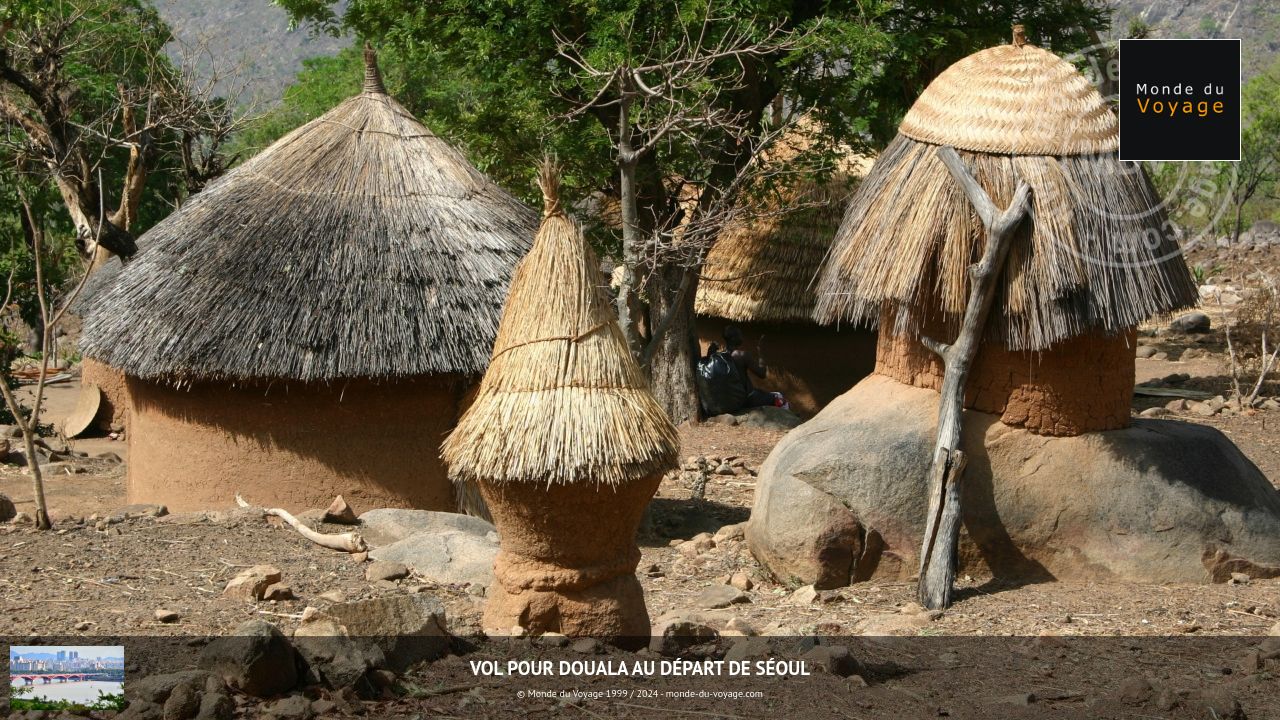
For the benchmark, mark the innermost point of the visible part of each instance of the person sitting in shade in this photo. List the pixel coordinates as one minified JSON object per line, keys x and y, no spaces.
{"x":725,"y":377}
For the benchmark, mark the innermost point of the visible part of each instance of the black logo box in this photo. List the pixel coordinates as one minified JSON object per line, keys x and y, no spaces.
{"x":1187,"y":68}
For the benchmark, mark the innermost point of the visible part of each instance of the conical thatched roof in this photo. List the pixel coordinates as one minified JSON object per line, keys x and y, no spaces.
{"x":563,"y":400}
{"x":1094,"y":256}
{"x":761,"y":267}
{"x":359,"y":245}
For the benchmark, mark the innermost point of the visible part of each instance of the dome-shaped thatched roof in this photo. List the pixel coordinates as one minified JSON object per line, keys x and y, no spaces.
{"x":1014,"y":100}
{"x":761,"y":267}
{"x":1095,"y":255}
{"x":360,"y":245}
{"x":563,"y":400}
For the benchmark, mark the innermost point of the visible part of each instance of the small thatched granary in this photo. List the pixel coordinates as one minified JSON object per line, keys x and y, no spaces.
{"x":309,"y":324}
{"x":1093,"y":261}
{"x":567,"y":446}
{"x":1061,"y":482}
{"x":759,"y":276}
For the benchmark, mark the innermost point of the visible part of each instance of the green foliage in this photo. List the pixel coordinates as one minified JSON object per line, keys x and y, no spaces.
{"x":486,"y":74}
{"x":19,"y":701}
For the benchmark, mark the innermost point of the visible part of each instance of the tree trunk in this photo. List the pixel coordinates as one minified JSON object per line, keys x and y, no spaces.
{"x":672,"y":358}
{"x":946,"y":474}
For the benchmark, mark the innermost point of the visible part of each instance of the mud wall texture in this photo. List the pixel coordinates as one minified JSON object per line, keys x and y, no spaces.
{"x":292,"y":445}
{"x":1081,"y":385}
{"x":114,"y":410}
{"x":810,"y":364}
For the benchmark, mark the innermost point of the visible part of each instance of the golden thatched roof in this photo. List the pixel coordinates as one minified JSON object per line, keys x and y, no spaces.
{"x":563,"y":400}
{"x":359,"y":245}
{"x":1094,"y":255}
{"x":761,"y":268}
{"x":1016,"y":100}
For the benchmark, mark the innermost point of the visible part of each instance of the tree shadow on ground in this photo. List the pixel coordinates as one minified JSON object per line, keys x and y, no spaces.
{"x":670,"y":518}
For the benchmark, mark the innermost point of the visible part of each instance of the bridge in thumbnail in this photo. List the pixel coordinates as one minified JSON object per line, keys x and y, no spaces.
{"x":48,"y":678}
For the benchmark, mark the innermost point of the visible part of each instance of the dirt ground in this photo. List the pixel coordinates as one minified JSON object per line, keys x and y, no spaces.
{"x":84,"y":581}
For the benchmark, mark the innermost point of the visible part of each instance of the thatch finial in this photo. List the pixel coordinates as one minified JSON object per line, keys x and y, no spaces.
{"x":549,"y":183}
{"x":1019,"y":35}
{"x":372,"y":76}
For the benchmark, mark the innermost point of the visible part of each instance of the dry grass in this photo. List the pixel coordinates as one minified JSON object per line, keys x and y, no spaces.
{"x":563,"y":400}
{"x":1082,"y":263}
{"x":358,"y":246}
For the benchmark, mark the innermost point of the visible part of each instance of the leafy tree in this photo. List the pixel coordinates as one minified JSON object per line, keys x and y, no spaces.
{"x":490,"y":75}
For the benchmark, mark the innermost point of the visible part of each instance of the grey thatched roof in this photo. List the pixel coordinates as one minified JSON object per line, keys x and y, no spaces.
{"x":359,"y":245}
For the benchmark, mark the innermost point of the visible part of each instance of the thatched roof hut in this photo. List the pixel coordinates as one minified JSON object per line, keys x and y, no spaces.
{"x":563,"y":400}
{"x":349,"y":273}
{"x":759,"y":276}
{"x":1093,"y":260}
{"x":1094,"y":257}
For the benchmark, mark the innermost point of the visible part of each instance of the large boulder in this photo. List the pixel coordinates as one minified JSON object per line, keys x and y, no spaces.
{"x":842,"y":498}
{"x":450,"y":557}
{"x":255,"y":659}
{"x":389,"y":525}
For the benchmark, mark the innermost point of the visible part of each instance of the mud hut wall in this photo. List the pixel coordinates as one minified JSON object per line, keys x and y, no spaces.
{"x":292,"y":445}
{"x":810,"y":364}
{"x":114,"y":409}
{"x":1080,"y":385}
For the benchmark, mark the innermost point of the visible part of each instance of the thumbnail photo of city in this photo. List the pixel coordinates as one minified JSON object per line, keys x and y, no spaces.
{"x":66,"y":677}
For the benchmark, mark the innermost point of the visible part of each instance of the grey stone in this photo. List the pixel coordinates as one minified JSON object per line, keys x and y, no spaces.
{"x":385,"y":526}
{"x":7,"y":510}
{"x":1155,"y":412}
{"x":1146,"y":351}
{"x":843,"y":497}
{"x":385,"y":570}
{"x":1189,"y":323}
{"x":167,"y":616}
{"x":769,"y":418}
{"x":333,"y":658}
{"x":294,"y":707}
{"x":721,"y":596}
{"x":833,"y":659}
{"x":448,"y":557}
{"x":408,"y":628}
{"x":674,"y":633}
{"x":723,"y":419}
{"x":749,"y":648}
{"x":256,"y":659}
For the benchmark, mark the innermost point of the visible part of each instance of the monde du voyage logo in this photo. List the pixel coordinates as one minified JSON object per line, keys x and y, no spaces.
{"x":1180,"y":99}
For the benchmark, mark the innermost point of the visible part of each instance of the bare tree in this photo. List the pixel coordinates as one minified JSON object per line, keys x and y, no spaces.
{"x":49,"y":319}
{"x":702,"y":95}
{"x":71,"y":138}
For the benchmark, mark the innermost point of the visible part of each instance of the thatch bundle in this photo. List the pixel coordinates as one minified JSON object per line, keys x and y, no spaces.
{"x":563,"y":400}
{"x":1095,"y":255}
{"x":360,"y":245}
{"x":761,"y":267}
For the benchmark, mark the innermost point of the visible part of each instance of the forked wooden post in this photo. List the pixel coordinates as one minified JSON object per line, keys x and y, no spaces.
{"x":942,"y":527}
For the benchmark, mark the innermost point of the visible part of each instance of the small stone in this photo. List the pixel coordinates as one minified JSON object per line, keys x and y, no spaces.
{"x":294,"y":707}
{"x":359,"y":557}
{"x":1270,"y":404}
{"x":834,"y":659}
{"x":726,"y":469}
{"x":723,"y":419}
{"x":673,"y":634}
{"x":323,"y":706}
{"x":251,"y":583}
{"x":1135,"y":690}
{"x":7,"y":510}
{"x":1178,"y":405}
{"x":278,"y":592}
{"x":167,"y":616}
{"x":1274,"y":631}
{"x":552,"y":639}
{"x":696,"y":545}
{"x":738,"y":626}
{"x":21,"y":519}
{"x":806,"y":595}
{"x":721,"y":596}
{"x":1203,"y":409}
{"x":741,"y":581}
{"x":1239,"y":578}
{"x":586,"y":646}
{"x":385,"y":570}
{"x":1146,"y":351}
{"x":1160,"y":356}
{"x":737,"y":531}
{"x":1155,"y":412}
{"x":332,"y":596}
{"x":1191,"y":323}
{"x":340,"y":513}
{"x":82,"y":626}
